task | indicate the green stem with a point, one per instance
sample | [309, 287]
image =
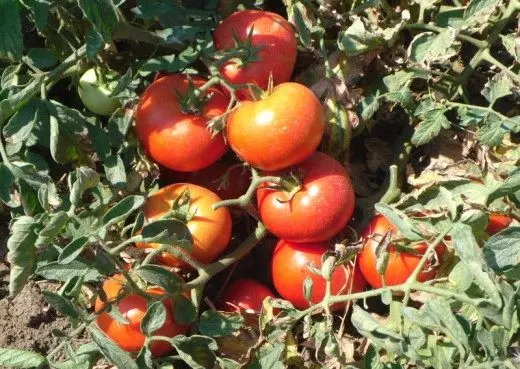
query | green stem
[476, 107]
[430, 27]
[490, 59]
[419, 268]
[246, 198]
[216, 267]
[117, 249]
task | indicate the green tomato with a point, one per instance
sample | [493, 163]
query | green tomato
[95, 96]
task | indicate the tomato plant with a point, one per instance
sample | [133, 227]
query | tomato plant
[256, 37]
[169, 112]
[245, 293]
[291, 266]
[191, 204]
[128, 334]
[325, 193]
[273, 133]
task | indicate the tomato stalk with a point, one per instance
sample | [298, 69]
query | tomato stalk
[246, 198]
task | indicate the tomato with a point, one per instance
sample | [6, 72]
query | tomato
[289, 268]
[237, 183]
[179, 140]
[276, 53]
[497, 222]
[401, 264]
[96, 96]
[318, 211]
[281, 130]
[210, 229]
[246, 294]
[133, 308]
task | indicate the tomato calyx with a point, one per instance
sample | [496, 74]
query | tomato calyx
[290, 184]
[181, 208]
[194, 100]
[243, 53]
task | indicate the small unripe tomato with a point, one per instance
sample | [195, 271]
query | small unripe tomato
[401, 264]
[95, 96]
[133, 308]
[497, 222]
[246, 294]
[290, 267]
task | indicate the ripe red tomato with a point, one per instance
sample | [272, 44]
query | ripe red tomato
[133, 308]
[276, 43]
[179, 140]
[210, 229]
[246, 294]
[238, 179]
[318, 211]
[289, 270]
[400, 264]
[275, 133]
[497, 222]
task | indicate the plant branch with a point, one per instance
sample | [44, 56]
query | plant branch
[216, 267]
[246, 198]
[490, 59]
[430, 27]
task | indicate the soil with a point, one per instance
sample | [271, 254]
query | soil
[26, 322]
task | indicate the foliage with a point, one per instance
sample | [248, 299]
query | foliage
[73, 183]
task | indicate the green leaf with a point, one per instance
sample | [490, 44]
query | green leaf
[40, 9]
[63, 272]
[73, 250]
[168, 232]
[429, 47]
[502, 252]
[171, 63]
[268, 356]
[115, 171]
[442, 311]
[303, 29]
[154, 318]
[111, 351]
[509, 42]
[118, 126]
[307, 288]
[492, 133]
[14, 358]
[61, 304]
[197, 351]
[16, 101]
[19, 127]
[11, 38]
[183, 310]
[22, 252]
[216, 324]
[508, 187]
[122, 210]
[86, 178]
[42, 58]
[400, 220]
[498, 86]
[430, 127]
[356, 39]
[478, 12]
[52, 229]
[422, 318]
[6, 183]
[95, 43]
[10, 76]
[62, 148]
[161, 277]
[122, 83]
[102, 14]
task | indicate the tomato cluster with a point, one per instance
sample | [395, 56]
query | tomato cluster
[309, 202]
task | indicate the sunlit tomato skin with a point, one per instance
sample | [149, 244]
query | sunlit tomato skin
[238, 179]
[400, 264]
[246, 294]
[133, 308]
[210, 229]
[274, 37]
[178, 140]
[96, 96]
[318, 211]
[281, 130]
[289, 268]
[497, 222]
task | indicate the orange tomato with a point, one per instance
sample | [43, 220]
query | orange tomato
[210, 229]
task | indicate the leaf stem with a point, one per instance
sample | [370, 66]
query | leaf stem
[430, 27]
[486, 55]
